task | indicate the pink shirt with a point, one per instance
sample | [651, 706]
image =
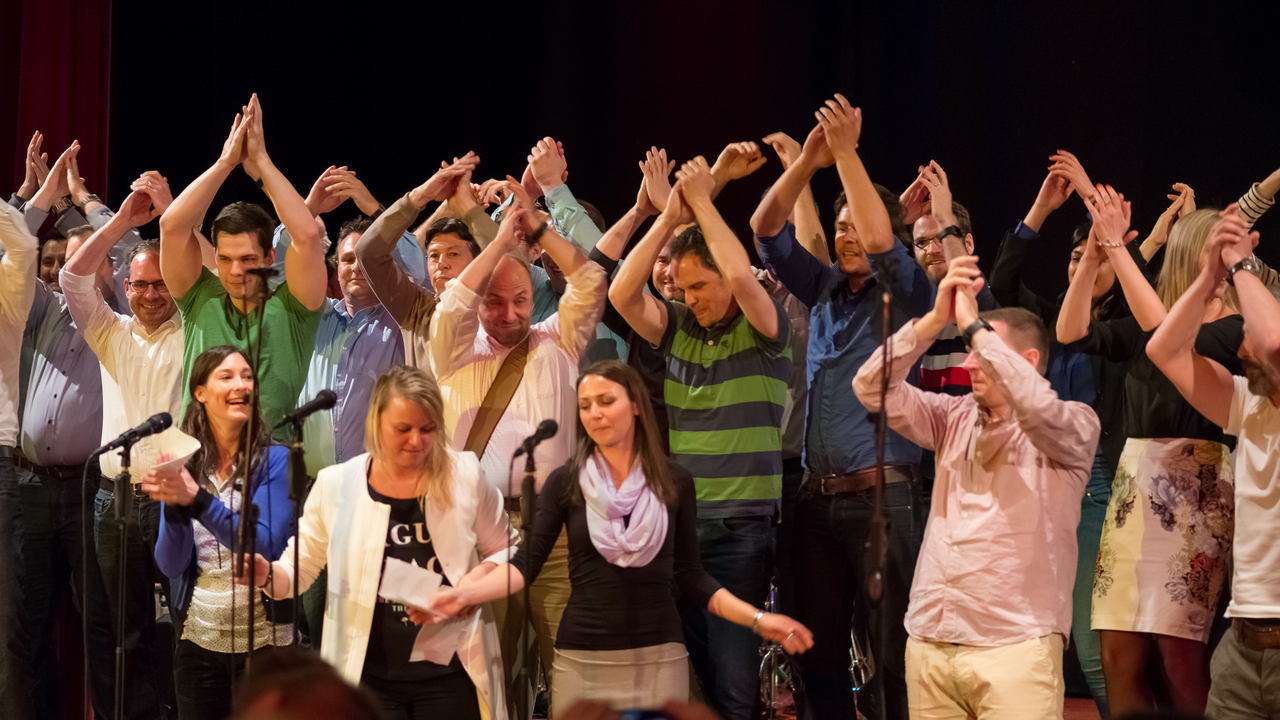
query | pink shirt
[999, 556]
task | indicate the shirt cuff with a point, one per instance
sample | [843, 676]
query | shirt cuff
[1025, 233]
[559, 195]
[75, 283]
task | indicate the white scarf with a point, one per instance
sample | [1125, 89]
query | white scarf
[634, 544]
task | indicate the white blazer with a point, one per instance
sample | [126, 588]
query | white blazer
[344, 527]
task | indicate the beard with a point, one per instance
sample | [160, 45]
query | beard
[509, 335]
[1261, 380]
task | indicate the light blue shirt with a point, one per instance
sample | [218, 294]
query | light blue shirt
[408, 257]
[350, 354]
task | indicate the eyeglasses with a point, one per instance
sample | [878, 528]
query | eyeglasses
[923, 242]
[140, 286]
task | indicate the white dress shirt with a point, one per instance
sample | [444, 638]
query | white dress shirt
[141, 372]
[17, 288]
[467, 361]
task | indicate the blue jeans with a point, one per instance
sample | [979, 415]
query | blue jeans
[830, 572]
[726, 657]
[1093, 511]
[55, 535]
[147, 686]
[15, 637]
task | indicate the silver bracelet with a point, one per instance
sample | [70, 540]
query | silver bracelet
[755, 622]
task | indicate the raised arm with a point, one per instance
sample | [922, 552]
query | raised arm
[181, 257]
[1183, 203]
[696, 184]
[304, 267]
[1206, 384]
[1259, 198]
[646, 314]
[842, 124]
[736, 161]
[1077, 306]
[37, 169]
[805, 211]
[17, 277]
[1111, 228]
[782, 198]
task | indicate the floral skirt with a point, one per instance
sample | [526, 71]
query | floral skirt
[1166, 542]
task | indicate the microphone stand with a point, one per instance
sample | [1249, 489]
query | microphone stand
[248, 537]
[878, 531]
[123, 492]
[297, 491]
[528, 508]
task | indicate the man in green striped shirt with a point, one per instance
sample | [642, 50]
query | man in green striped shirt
[728, 350]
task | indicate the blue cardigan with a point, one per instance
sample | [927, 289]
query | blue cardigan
[176, 548]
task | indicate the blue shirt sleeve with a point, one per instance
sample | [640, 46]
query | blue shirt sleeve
[1025, 232]
[796, 268]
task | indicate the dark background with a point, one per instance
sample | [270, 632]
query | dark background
[1145, 93]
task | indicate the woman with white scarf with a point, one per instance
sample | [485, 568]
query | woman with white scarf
[630, 515]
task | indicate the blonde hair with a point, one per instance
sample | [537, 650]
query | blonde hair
[421, 389]
[1183, 257]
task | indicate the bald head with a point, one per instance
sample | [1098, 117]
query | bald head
[508, 301]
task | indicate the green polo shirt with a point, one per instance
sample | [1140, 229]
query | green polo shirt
[726, 388]
[209, 319]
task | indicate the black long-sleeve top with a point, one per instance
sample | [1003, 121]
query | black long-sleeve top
[1153, 407]
[611, 607]
[1109, 376]
[649, 360]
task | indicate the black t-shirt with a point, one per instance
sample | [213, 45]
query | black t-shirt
[1153, 407]
[612, 607]
[649, 360]
[392, 635]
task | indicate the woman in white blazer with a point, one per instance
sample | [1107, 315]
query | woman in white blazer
[412, 498]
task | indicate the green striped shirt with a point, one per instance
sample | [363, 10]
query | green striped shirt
[726, 388]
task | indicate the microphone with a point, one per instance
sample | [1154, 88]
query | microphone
[324, 400]
[546, 429]
[154, 424]
[263, 272]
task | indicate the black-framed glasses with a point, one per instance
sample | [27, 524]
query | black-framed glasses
[923, 242]
[140, 286]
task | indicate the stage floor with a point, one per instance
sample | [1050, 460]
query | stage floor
[1080, 709]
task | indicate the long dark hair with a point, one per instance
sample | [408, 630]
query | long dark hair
[653, 461]
[195, 422]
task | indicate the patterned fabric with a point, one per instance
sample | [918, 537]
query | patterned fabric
[1166, 542]
[209, 617]
[726, 388]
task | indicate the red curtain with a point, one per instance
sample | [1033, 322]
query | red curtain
[55, 77]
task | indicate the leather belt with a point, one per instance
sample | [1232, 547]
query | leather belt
[52, 472]
[109, 485]
[6, 451]
[1258, 634]
[856, 481]
[511, 504]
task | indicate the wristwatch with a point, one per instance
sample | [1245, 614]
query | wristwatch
[974, 327]
[1248, 265]
[948, 232]
[88, 199]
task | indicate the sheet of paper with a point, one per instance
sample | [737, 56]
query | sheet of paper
[409, 584]
[181, 447]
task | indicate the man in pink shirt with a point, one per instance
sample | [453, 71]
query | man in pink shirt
[991, 599]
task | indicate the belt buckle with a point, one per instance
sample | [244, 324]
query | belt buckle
[822, 484]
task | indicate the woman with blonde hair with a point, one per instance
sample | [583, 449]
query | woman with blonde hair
[412, 498]
[1166, 540]
[630, 515]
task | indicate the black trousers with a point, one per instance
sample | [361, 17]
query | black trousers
[57, 518]
[451, 696]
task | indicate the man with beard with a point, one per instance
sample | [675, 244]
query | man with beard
[939, 236]
[449, 248]
[1245, 669]
[140, 357]
[222, 309]
[846, 317]
[482, 322]
[990, 599]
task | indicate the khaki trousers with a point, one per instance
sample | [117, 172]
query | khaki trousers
[959, 682]
[548, 596]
